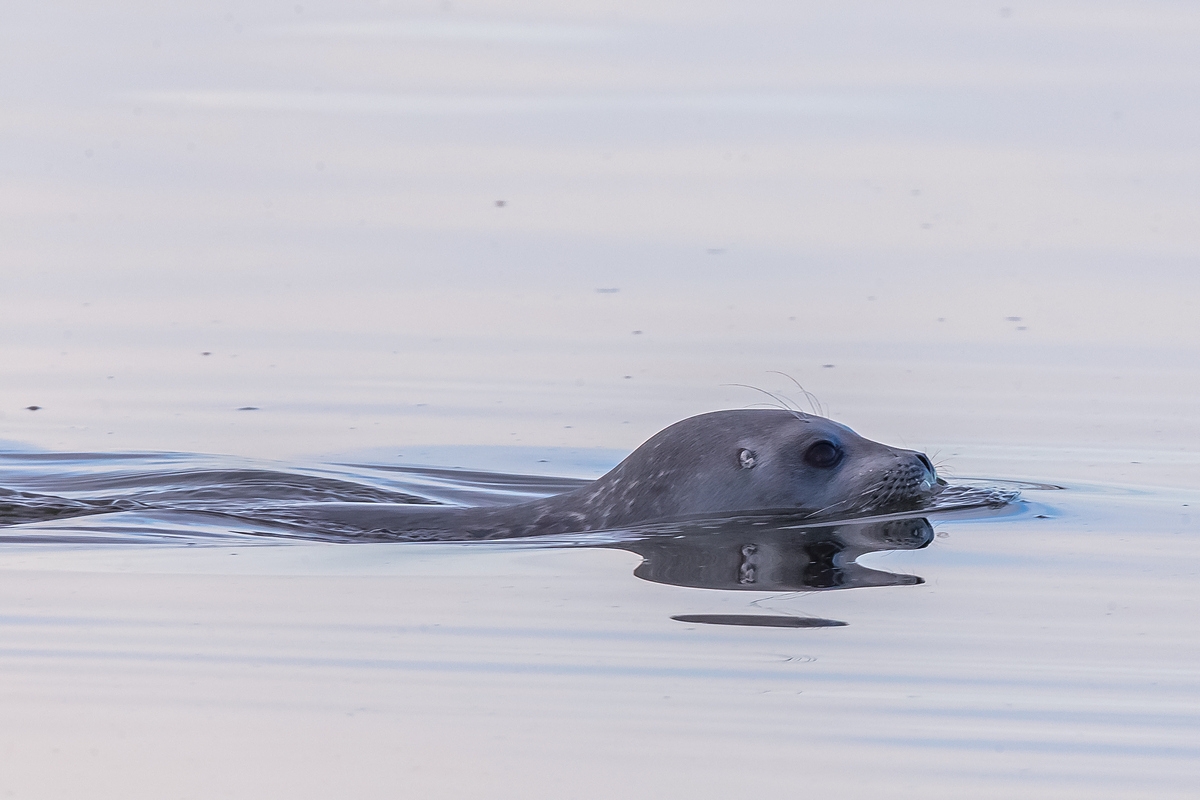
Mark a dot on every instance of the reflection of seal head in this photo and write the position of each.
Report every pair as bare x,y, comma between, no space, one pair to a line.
785,558
718,464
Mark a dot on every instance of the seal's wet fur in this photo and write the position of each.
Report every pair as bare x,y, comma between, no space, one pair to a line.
724,463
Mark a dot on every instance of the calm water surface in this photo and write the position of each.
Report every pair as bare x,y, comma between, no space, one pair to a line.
279,252
165,606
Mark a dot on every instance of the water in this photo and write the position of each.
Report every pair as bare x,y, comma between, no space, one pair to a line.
1040,638
393,249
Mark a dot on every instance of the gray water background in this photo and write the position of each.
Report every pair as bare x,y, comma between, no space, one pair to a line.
524,237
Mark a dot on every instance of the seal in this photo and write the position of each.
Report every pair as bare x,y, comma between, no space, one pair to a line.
720,464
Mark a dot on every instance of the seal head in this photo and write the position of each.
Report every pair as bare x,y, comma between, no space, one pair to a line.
753,462
721,464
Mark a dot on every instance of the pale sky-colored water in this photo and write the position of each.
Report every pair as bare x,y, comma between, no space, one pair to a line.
528,236
308,192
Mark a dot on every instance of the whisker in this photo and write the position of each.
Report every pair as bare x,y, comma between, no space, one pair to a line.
800,415
830,507
813,402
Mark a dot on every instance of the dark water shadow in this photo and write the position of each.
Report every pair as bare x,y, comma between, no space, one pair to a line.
759,620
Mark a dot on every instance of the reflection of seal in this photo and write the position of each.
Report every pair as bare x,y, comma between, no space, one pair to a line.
774,557
718,464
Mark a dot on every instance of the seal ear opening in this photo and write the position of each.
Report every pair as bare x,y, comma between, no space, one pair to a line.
746,458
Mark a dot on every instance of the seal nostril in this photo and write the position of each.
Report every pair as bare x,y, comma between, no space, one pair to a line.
924,459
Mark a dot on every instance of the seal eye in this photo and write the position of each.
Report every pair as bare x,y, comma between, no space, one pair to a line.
823,455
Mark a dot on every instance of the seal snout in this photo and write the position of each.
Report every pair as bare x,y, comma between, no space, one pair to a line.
907,481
